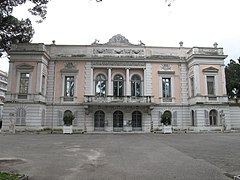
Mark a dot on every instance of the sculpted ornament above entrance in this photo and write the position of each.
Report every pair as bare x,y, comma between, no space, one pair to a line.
118,46
119,51
118,40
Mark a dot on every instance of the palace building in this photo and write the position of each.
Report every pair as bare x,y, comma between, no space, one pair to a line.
117,86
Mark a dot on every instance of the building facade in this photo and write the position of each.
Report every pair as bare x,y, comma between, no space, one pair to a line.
117,86
3,90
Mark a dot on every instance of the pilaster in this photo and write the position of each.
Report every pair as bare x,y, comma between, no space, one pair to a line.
127,83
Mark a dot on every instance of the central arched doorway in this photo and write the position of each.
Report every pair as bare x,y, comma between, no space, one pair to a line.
118,121
99,119
213,117
136,121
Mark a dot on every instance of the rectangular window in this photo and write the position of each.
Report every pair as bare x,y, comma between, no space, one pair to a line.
192,86
24,83
43,84
166,87
210,85
69,86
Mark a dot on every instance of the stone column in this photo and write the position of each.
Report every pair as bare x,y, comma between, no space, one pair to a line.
109,82
63,85
144,82
224,91
127,83
39,78
196,79
91,83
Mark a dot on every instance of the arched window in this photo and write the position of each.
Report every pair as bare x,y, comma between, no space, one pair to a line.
68,113
213,117
100,85
99,119
118,121
136,121
21,117
68,117
167,118
136,85
118,83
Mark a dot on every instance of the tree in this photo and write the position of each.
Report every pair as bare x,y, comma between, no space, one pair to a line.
39,8
232,71
14,30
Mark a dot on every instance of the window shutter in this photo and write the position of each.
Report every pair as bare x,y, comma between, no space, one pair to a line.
174,121
75,121
195,118
43,117
23,117
60,118
18,118
206,118
160,118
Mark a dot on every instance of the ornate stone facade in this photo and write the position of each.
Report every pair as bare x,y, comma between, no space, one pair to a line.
117,86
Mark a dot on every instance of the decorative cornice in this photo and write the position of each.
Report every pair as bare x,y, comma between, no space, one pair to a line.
166,72
24,67
69,67
118,52
210,69
117,63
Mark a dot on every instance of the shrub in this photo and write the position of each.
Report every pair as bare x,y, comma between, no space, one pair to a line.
166,118
68,119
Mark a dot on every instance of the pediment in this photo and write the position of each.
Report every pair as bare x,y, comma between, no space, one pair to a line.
24,66
118,40
211,69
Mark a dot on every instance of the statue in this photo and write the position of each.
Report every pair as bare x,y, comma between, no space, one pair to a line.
96,41
141,43
12,123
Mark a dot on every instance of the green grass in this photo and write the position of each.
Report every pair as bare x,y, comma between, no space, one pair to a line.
9,176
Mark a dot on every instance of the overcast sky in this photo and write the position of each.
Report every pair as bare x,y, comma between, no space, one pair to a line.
195,22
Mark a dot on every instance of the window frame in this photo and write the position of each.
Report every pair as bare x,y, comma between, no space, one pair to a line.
21,115
164,87
66,88
102,80
26,83
164,75
119,93
211,71
24,68
134,87
192,86
69,98
213,118
213,83
43,88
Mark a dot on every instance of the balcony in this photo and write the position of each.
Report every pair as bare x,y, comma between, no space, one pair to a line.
205,51
126,100
25,98
208,100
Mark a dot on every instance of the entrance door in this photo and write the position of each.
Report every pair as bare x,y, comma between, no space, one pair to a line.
136,121
99,118
118,121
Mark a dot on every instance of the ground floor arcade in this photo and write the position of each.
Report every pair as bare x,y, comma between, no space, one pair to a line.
120,118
